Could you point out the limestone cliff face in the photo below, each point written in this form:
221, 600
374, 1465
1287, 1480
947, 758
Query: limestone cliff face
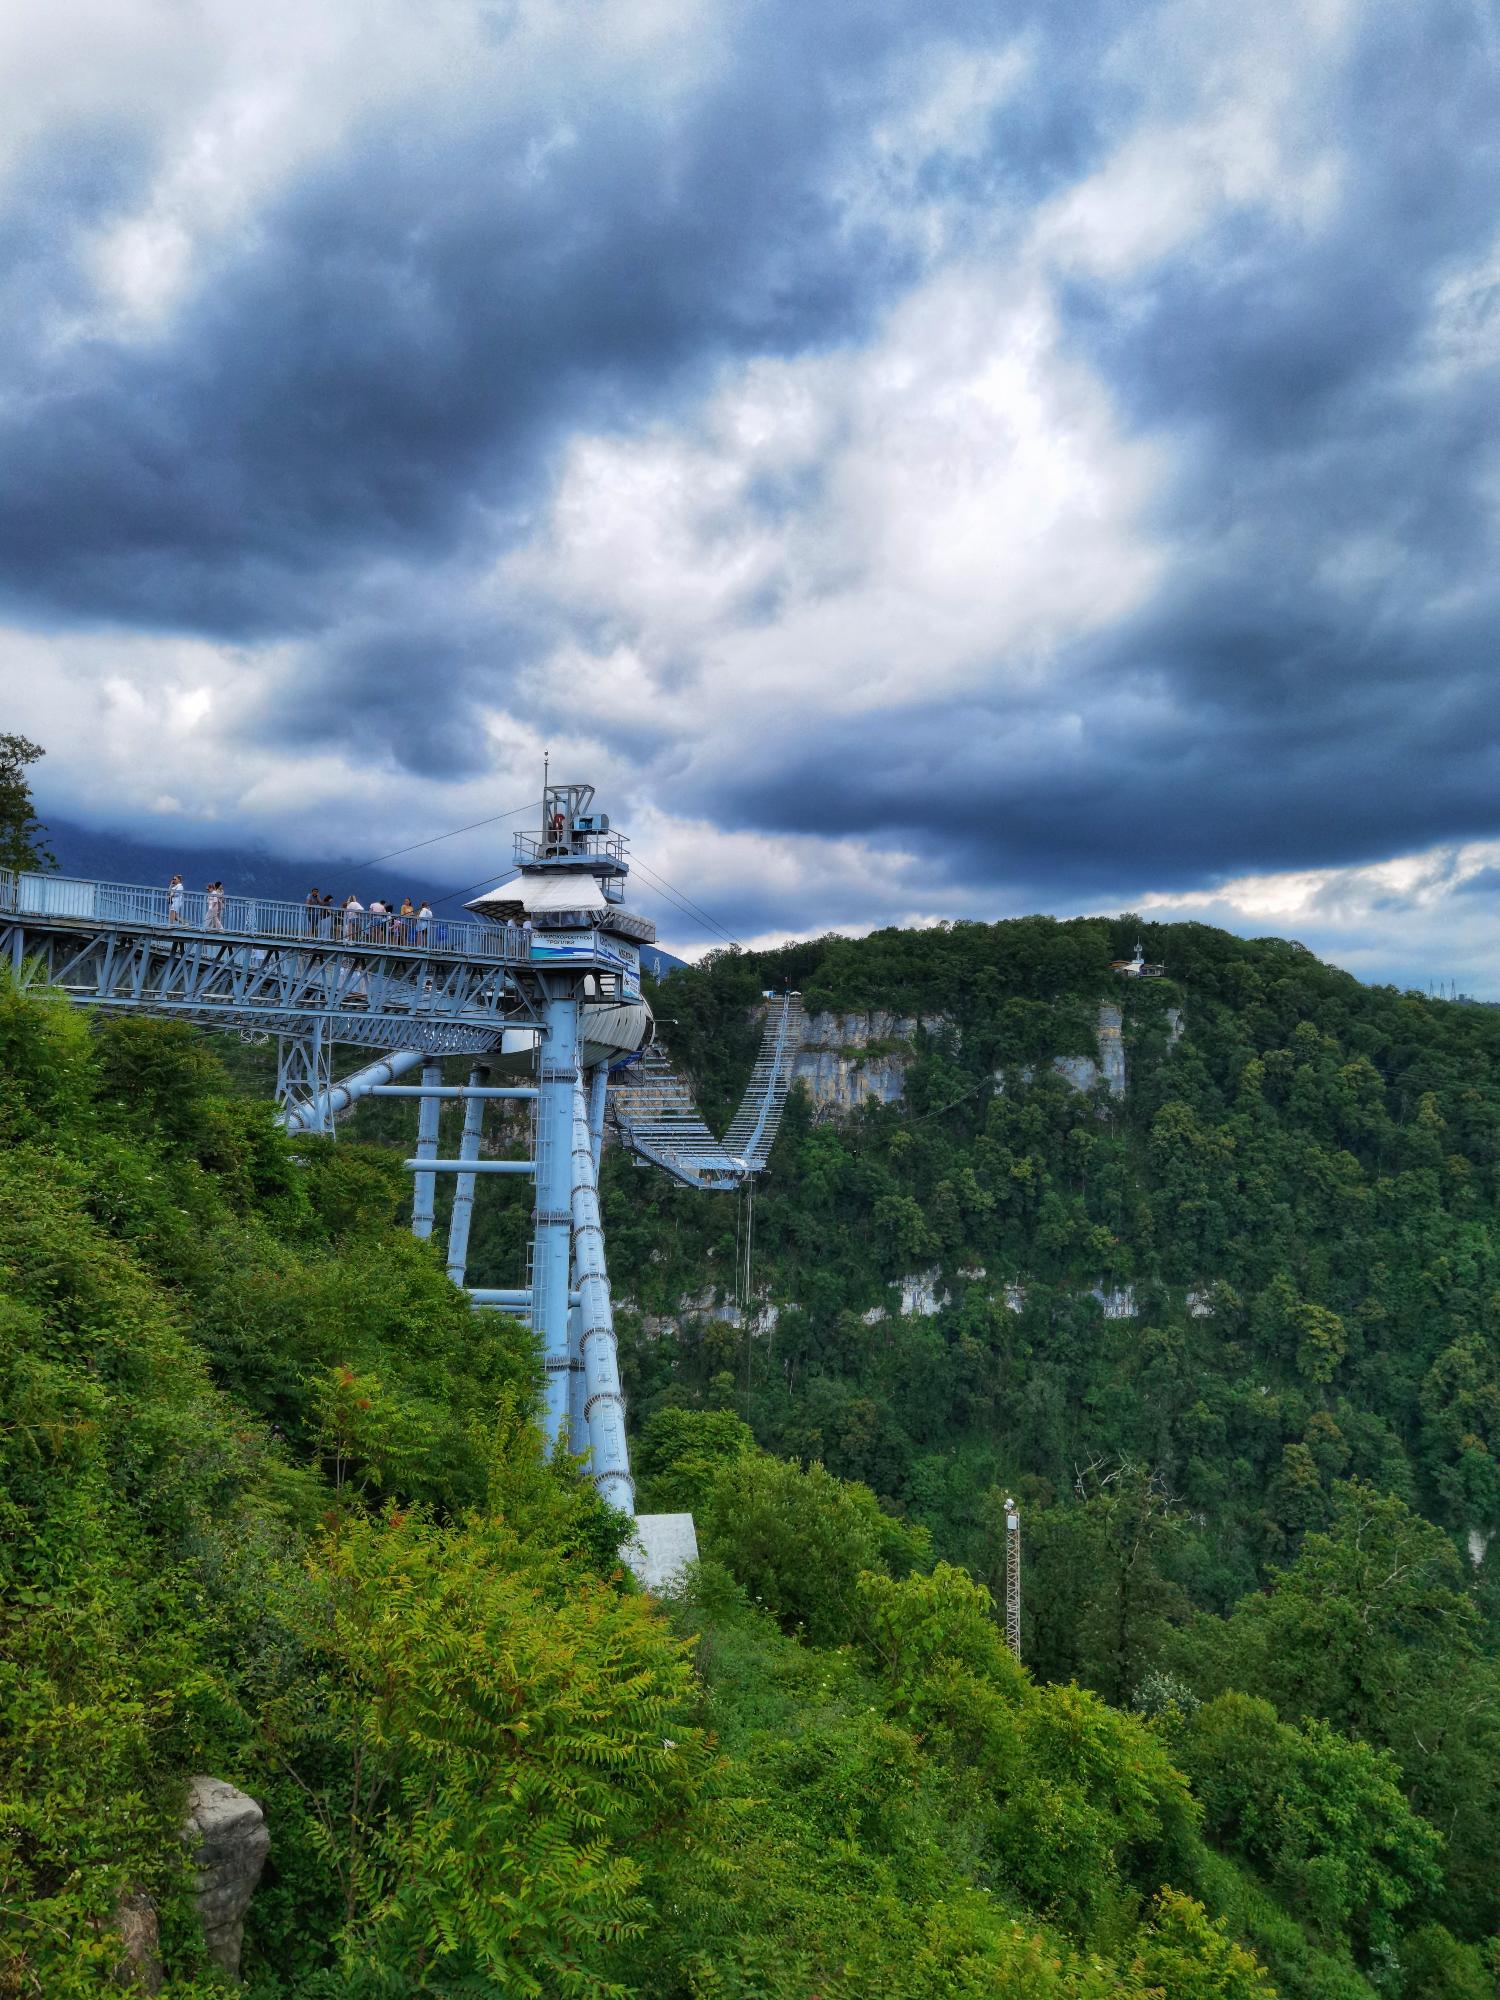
848, 1060
852, 1059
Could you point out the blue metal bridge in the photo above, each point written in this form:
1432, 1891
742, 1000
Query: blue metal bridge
544, 977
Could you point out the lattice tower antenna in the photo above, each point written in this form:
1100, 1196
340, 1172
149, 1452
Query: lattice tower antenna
1013, 1576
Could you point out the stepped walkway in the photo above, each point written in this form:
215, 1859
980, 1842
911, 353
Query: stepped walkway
655, 1116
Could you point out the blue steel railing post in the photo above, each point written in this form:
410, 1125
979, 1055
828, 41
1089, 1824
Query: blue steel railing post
557, 1084
424, 1186
604, 1406
463, 1187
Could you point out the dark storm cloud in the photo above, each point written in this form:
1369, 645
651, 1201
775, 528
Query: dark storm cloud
1289, 756
1316, 682
383, 366
388, 359
366, 399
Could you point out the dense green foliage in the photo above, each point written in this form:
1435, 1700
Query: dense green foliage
1299, 1190
272, 1506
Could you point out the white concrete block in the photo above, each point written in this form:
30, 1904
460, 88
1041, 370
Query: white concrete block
661, 1549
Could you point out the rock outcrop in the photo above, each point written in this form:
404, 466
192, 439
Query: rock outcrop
226, 1833
847, 1060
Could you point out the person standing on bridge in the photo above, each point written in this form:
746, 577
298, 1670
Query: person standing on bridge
175, 894
213, 907
313, 905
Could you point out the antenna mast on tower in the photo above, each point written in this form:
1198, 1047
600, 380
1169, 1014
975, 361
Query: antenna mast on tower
1013, 1576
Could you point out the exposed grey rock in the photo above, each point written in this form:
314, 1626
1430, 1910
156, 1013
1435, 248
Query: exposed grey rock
1084, 1072
920, 1298
1081, 1071
1478, 1545
1112, 1048
847, 1060
1200, 1304
1117, 1302
226, 1831
1174, 1027
838, 1067
1015, 1298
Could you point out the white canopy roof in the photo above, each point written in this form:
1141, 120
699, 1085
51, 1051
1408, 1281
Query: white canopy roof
561, 889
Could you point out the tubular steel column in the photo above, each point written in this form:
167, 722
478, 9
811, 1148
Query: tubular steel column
598, 1089
318, 1115
463, 1186
424, 1186
604, 1406
578, 1429
557, 1080
578, 1432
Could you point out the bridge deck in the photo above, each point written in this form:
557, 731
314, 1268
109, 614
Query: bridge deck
268, 966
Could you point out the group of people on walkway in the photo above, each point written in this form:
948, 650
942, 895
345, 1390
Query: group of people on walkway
382, 921
213, 903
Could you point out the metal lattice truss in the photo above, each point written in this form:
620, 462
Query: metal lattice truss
371, 996
656, 1118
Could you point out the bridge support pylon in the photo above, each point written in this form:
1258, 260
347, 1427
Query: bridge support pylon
603, 1405
424, 1185
463, 1187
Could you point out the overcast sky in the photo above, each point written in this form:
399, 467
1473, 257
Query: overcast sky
917, 460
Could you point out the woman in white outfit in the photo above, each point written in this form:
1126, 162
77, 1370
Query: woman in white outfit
174, 900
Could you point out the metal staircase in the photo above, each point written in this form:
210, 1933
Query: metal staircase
655, 1116
753, 1131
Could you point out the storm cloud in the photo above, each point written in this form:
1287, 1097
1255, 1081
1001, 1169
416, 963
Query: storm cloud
920, 462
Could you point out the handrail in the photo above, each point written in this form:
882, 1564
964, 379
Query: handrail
192, 911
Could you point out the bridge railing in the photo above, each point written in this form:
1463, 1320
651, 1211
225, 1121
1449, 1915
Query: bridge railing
143, 908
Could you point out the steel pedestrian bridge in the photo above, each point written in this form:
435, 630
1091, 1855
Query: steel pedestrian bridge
413, 987
544, 979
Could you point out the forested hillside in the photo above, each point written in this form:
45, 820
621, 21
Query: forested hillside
1276, 1470
272, 1508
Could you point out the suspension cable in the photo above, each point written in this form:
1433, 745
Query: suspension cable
684, 900
532, 805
